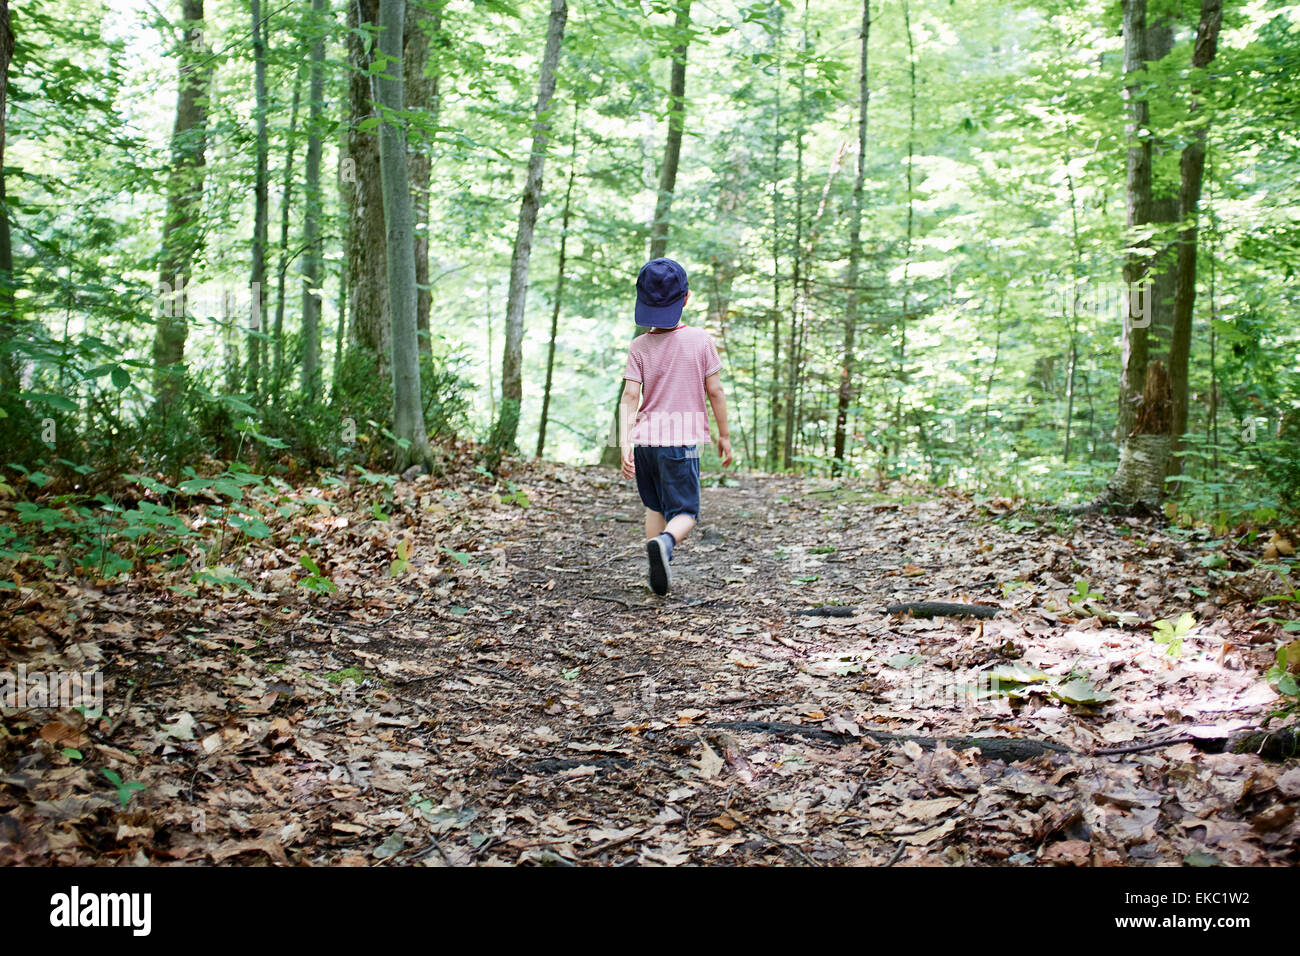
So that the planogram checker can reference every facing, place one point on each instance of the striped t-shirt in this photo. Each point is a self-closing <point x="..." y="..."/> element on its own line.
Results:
<point x="671" y="366"/>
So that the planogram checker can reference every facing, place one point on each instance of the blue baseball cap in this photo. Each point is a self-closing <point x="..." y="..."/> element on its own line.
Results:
<point x="661" y="291"/>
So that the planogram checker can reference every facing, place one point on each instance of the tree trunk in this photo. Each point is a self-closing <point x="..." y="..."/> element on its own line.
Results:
<point x="676" y="123"/>
<point x="559" y="285"/>
<point x="257" y="279"/>
<point x="8" y="318"/>
<point x="181" y="236"/>
<point x="1192" y="170"/>
<point x="311" y="257"/>
<point x="907" y="255"/>
<point x="506" y="428"/>
<point x="408" y="410"/>
<point x="1146" y="434"/>
<point x="796" y="296"/>
<point x="286" y="203"/>
<point x="371" y="328"/>
<point x="774" y="411"/>
<point x="845" y="397"/>
<point x="422" y="100"/>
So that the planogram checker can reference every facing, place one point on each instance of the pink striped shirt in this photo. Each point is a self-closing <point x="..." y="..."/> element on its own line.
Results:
<point x="671" y="367"/>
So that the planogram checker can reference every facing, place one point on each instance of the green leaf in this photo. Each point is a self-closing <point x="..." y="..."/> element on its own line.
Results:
<point x="121" y="377"/>
<point x="903" y="661"/>
<point x="53" y="401"/>
<point x="72" y="753"/>
<point x="1081" y="692"/>
<point x="1016" y="674"/>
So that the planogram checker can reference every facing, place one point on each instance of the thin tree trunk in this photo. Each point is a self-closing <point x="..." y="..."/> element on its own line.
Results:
<point x="1192" y="169"/>
<point x="371" y="328"/>
<point x="422" y="100"/>
<point x="181" y="234"/>
<point x="257" y="279"/>
<point x="775" y="414"/>
<point x="487" y="317"/>
<point x="1133" y="345"/>
<point x="506" y="428"/>
<point x="796" y="297"/>
<point x="311" y="258"/>
<point x="997" y="354"/>
<point x="676" y="123"/>
<point x="8" y="318"/>
<point x="408" y="411"/>
<point x="845" y="396"/>
<point x="339" y="332"/>
<point x="1074" y="313"/>
<point x="286" y="203"/>
<point x="1212" y="422"/>
<point x="907" y="255"/>
<point x="559" y="285"/>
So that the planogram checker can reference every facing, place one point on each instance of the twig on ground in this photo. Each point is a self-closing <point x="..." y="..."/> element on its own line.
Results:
<point x="126" y="706"/>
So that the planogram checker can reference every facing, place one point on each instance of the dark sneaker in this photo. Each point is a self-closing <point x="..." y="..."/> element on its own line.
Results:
<point x="661" y="578"/>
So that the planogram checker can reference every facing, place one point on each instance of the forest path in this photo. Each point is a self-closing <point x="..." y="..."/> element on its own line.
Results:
<point x="586" y="709"/>
<point x="515" y="693"/>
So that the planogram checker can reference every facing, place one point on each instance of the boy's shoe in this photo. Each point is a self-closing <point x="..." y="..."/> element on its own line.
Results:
<point x="661" y="577"/>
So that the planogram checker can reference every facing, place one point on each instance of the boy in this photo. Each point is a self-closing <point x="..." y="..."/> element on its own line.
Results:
<point x="675" y="367"/>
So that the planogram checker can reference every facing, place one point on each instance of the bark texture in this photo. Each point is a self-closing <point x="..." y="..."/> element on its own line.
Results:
<point x="506" y="428"/>
<point x="370" y="331"/>
<point x="408" y="412"/>
<point x="182" y="238"/>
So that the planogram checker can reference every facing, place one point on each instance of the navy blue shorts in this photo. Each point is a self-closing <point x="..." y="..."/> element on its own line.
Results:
<point x="668" y="479"/>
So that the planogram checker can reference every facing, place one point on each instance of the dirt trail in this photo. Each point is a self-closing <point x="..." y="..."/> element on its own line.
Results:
<point x="519" y="696"/>
<point x="588" y="704"/>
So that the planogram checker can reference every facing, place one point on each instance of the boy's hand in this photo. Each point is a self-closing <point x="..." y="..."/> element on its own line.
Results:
<point x="724" y="450"/>
<point x="629" y="464"/>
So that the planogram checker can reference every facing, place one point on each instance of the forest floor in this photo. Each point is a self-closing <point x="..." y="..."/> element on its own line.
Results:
<point x="511" y="692"/>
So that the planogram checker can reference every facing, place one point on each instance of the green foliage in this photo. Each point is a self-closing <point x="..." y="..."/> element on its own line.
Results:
<point x="125" y="790"/>
<point x="1171" y="633"/>
<point x="1083" y="592"/>
<point x="315" y="580"/>
<point x="985" y="352"/>
<point x="1282" y="676"/>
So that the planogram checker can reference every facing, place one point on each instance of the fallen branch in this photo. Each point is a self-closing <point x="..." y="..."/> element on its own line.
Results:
<point x="1007" y="749"/>
<point x="942" y="609"/>
<point x="1268" y="744"/>
<point x="914" y="608"/>
<point x="555" y="765"/>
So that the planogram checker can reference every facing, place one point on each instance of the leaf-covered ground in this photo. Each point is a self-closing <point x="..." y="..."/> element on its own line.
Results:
<point x="510" y="692"/>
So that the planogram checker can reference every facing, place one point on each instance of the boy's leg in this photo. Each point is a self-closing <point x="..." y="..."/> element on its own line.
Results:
<point x="654" y="524"/>
<point x="679" y="527"/>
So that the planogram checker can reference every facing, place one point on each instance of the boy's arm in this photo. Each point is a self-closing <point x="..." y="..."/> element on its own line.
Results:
<point x="627" y="408"/>
<point x="718" y="402"/>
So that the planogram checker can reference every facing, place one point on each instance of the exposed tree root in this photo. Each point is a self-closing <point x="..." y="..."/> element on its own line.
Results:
<point x="915" y="608"/>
